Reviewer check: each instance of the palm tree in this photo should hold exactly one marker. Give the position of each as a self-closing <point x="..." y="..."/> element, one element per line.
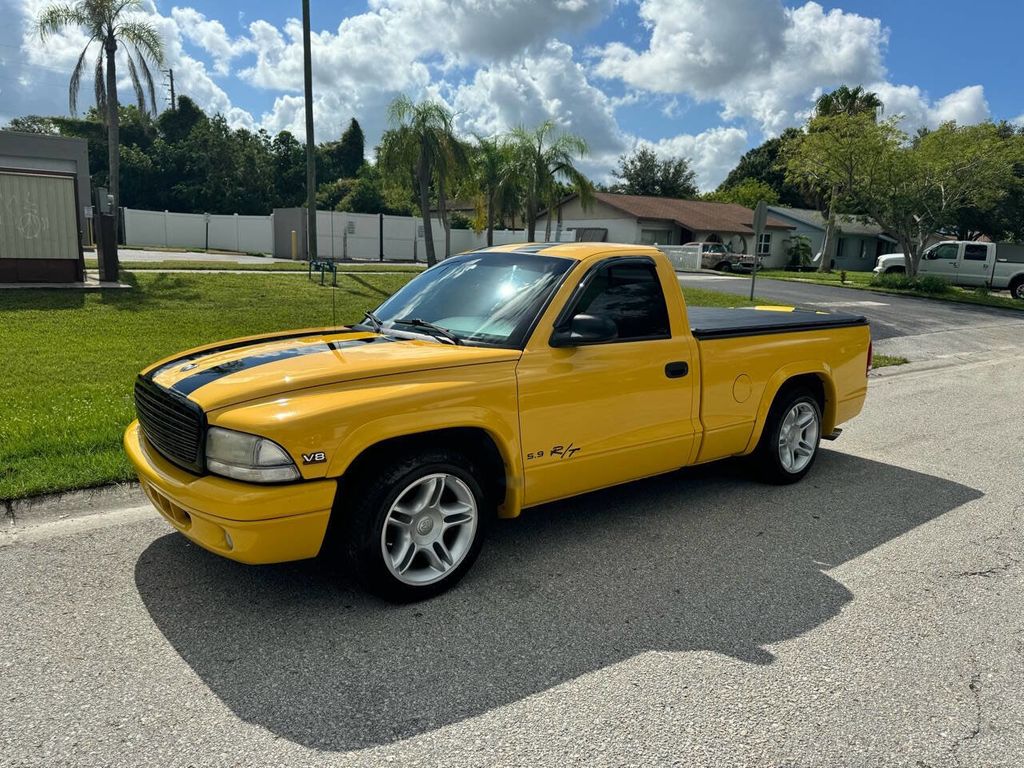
<point x="422" y="142"/>
<point x="848" y="101"/>
<point x="842" y="102"/>
<point x="496" y="172"/>
<point x="110" y="23"/>
<point x="545" y="159"/>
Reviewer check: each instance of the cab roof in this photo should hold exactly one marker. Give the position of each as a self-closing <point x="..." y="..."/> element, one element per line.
<point x="577" y="251"/>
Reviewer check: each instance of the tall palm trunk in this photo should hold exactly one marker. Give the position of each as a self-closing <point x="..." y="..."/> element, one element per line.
<point x="442" y="210"/>
<point x="113" y="123"/>
<point x="490" y="218"/>
<point x="423" y="179"/>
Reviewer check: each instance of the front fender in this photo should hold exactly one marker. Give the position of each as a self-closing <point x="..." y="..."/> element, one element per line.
<point x="336" y="423"/>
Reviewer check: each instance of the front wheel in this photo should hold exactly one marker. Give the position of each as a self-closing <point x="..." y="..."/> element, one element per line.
<point x="415" y="527"/>
<point x="789" y="443"/>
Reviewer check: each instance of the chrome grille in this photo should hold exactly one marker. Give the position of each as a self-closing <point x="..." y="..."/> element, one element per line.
<point x="173" y="424"/>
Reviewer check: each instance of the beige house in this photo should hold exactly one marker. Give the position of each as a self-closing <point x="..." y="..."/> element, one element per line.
<point x="667" y="221"/>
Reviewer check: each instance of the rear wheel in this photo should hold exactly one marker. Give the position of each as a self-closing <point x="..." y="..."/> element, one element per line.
<point x="415" y="526"/>
<point x="792" y="433"/>
<point x="724" y="266"/>
<point x="1017" y="288"/>
<point x="896" y="271"/>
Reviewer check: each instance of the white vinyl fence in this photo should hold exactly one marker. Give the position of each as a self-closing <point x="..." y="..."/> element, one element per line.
<point x="354" y="236"/>
<point x="246" y="234"/>
<point x="685" y="258"/>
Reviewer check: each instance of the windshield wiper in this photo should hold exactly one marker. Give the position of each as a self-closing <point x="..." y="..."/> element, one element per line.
<point x="416" y="322"/>
<point x="378" y="326"/>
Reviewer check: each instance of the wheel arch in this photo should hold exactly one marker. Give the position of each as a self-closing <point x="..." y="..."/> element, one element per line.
<point x="815" y="376"/>
<point x="497" y="457"/>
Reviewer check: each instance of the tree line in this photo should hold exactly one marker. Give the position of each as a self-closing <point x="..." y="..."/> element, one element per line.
<point x="961" y="181"/>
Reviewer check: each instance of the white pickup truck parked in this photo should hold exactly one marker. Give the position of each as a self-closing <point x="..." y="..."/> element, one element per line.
<point x="996" y="265"/>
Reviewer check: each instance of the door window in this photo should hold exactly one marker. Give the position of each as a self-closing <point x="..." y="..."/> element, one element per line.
<point x="974" y="252"/>
<point x="629" y="294"/>
<point x="945" y="251"/>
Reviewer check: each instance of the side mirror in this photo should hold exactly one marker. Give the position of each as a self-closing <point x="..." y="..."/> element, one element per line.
<point x="584" y="329"/>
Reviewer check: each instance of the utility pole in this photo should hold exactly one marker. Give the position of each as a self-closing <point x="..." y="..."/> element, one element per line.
<point x="307" y="67"/>
<point x="170" y="84"/>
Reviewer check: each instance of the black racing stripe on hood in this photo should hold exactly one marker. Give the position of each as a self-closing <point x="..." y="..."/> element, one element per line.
<point x="190" y="384"/>
<point x="248" y="343"/>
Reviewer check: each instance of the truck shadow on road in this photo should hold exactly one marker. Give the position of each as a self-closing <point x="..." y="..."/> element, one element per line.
<point x="697" y="560"/>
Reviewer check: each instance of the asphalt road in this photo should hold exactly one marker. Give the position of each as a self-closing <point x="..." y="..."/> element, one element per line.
<point x="872" y="615"/>
<point x="891" y="316"/>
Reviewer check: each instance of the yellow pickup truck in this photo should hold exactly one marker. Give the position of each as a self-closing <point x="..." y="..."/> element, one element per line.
<point x="497" y="380"/>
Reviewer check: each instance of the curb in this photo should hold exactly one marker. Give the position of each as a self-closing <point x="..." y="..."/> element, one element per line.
<point x="55" y="506"/>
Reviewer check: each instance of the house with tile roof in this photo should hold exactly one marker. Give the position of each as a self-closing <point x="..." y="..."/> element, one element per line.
<point x="645" y="220"/>
<point x="859" y="243"/>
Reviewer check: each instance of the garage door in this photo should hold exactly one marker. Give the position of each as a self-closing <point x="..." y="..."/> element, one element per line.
<point x="38" y="225"/>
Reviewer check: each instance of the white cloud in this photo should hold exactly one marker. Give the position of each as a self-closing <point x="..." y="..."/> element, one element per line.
<point x="712" y="153"/>
<point x="757" y="58"/>
<point x="210" y="35"/>
<point x="57" y="58"/>
<point x="965" y="106"/>
<point x="527" y="90"/>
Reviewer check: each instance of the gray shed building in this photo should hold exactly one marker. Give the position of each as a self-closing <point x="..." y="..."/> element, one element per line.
<point x="44" y="194"/>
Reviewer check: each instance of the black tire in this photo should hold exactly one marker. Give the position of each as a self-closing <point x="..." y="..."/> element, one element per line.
<point x="724" y="266"/>
<point x="896" y="271"/>
<point x="767" y="457"/>
<point x="366" y="510"/>
<point x="1017" y="288"/>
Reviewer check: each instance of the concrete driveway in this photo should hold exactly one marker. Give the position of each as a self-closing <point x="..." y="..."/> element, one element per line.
<point x="872" y="615"/>
<point x="902" y="325"/>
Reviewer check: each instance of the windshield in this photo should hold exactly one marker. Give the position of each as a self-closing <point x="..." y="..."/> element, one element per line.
<point x="484" y="298"/>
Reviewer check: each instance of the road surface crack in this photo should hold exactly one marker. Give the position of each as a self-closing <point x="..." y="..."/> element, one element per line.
<point x="975" y="730"/>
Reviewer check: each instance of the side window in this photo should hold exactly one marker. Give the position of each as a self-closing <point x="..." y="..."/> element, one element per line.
<point x="630" y="296"/>
<point x="945" y="251"/>
<point x="974" y="252"/>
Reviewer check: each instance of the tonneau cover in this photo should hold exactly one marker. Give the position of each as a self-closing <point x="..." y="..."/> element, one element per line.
<point x="715" y="323"/>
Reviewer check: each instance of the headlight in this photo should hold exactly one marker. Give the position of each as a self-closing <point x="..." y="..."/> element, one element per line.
<point x="248" y="457"/>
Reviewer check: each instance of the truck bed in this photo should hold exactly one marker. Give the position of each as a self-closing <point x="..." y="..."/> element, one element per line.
<point x="715" y="323"/>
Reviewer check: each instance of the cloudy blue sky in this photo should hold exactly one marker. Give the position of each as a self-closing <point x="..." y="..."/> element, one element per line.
<point x="706" y="79"/>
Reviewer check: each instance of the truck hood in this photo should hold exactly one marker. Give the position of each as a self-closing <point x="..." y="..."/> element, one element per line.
<point x="236" y="371"/>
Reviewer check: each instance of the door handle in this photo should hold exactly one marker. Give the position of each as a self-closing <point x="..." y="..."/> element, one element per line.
<point x="677" y="370"/>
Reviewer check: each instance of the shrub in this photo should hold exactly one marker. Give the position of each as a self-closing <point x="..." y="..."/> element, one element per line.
<point x="932" y="284"/>
<point x="900" y="282"/>
<point x="842" y="276"/>
<point x="896" y="280"/>
<point x="982" y="290"/>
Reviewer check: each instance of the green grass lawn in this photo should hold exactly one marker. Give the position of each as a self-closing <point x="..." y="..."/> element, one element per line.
<point x="69" y="358"/>
<point x="884" y="361"/>
<point x="286" y="266"/>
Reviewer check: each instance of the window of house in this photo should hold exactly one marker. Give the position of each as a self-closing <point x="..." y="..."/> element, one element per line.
<point x="654" y="236"/>
<point x="764" y="244"/>
<point x="974" y="252"/>
<point x="629" y="294"/>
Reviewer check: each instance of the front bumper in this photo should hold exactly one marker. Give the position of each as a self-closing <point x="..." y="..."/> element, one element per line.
<point x="246" y="522"/>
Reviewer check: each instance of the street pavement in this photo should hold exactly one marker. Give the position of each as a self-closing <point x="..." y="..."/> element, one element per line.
<point x="872" y="615"/>
<point x="905" y="325"/>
